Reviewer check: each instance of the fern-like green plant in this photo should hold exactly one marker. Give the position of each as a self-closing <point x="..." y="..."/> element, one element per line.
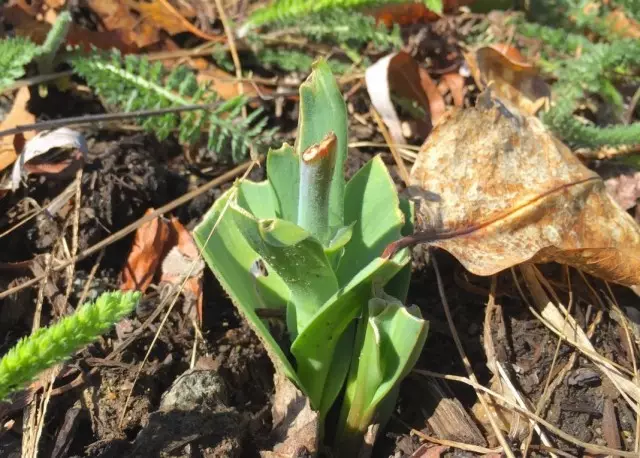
<point x="52" y="43"/>
<point x="291" y="60"/>
<point x="282" y="10"/>
<point x="340" y="26"/>
<point x="15" y="53"/>
<point x="597" y="70"/>
<point x="52" y="345"/>
<point x="133" y="83"/>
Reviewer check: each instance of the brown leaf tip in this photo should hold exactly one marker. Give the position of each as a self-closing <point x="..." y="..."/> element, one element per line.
<point x="326" y="148"/>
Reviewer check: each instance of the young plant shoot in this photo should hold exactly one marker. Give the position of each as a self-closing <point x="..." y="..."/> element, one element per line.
<point x="306" y="245"/>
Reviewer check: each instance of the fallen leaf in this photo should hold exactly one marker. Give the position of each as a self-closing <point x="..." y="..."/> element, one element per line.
<point x="455" y="83"/>
<point x="501" y="413"/>
<point x="399" y="75"/>
<point x="149" y="247"/>
<point x="178" y="264"/>
<point x="11" y="145"/>
<point x="512" y="78"/>
<point x="165" y="16"/>
<point x="116" y="16"/>
<point x="509" y="192"/>
<point x="225" y="85"/>
<point x="437" y="106"/>
<point x="412" y="12"/>
<point x="295" y="423"/>
<point x="26" y="26"/>
<point x="621" y="24"/>
<point x="59" y="152"/>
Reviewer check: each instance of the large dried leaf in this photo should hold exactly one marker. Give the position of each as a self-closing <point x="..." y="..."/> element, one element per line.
<point x="514" y="193"/>
<point x="512" y="77"/>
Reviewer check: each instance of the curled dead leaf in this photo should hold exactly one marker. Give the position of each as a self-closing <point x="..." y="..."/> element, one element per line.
<point x="513" y="78"/>
<point x="150" y="244"/>
<point x="165" y="250"/>
<point x="398" y="75"/>
<point x="506" y="191"/>
<point x="60" y="152"/>
<point x="183" y="263"/>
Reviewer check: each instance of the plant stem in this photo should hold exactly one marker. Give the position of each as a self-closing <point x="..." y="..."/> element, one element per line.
<point x="316" y="171"/>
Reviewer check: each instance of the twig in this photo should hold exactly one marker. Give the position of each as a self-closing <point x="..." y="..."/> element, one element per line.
<point x="632" y="356"/>
<point x="546" y="394"/>
<point x="91" y="119"/>
<point x="136" y="224"/>
<point x="228" y="30"/>
<point x="518" y="397"/>
<point x="74" y="235"/>
<point x="445" y="305"/>
<point x="455" y="444"/>
<point x="402" y="168"/>
<point x="590" y="448"/>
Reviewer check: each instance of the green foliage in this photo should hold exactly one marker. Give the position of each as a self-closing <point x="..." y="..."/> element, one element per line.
<point x="308" y="244"/>
<point x="389" y="331"/>
<point x="133" y="83"/>
<point x="340" y="26"/>
<point x="596" y="71"/>
<point x="15" y="53"/>
<point x="283" y="10"/>
<point x="291" y="60"/>
<point x="52" y="345"/>
<point x="52" y="43"/>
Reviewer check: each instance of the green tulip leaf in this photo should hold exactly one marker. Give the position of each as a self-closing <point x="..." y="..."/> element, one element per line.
<point x="283" y="170"/>
<point x="372" y="206"/>
<point x="322" y="110"/>
<point x="232" y="260"/>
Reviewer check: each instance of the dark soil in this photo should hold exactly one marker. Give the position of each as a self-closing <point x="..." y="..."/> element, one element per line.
<point x="230" y="388"/>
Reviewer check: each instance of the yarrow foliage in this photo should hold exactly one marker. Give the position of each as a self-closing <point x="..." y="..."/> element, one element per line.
<point x="52" y="345"/>
<point x="15" y="53"/>
<point x="133" y="83"/>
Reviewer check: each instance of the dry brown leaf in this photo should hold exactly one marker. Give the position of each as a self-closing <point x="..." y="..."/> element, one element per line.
<point x="165" y="16"/>
<point x="178" y="264"/>
<point x="149" y="247"/>
<point x="621" y="24"/>
<point x="512" y="77"/>
<point x="510" y="192"/>
<point x="116" y="15"/>
<point x="11" y="145"/>
<point x="226" y="87"/>
<point x="296" y="424"/>
<point x="27" y="26"/>
<point x="399" y="75"/>
<point x="455" y="83"/>
<point x="437" y="106"/>
<point x="412" y="13"/>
